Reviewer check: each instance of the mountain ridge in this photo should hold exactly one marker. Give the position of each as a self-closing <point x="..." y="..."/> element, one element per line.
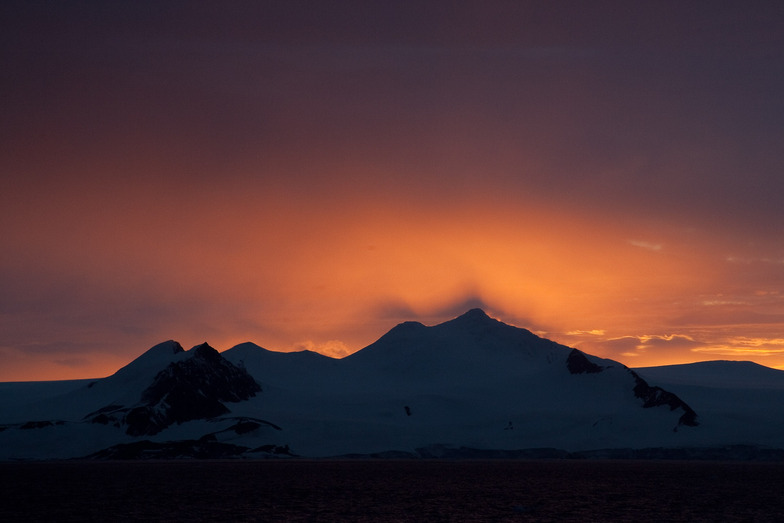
<point x="472" y="382"/>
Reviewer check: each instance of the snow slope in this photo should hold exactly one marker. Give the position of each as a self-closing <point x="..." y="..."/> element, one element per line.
<point x="739" y="402"/>
<point x="470" y="382"/>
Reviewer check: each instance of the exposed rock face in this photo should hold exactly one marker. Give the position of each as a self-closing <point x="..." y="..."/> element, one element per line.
<point x="578" y="363"/>
<point x="146" y="449"/>
<point x="190" y="389"/>
<point x="203" y="448"/>
<point x="656" y="397"/>
<point x="193" y="388"/>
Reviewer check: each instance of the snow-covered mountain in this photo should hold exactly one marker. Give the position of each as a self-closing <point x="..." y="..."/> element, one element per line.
<point x="469" y="383"/>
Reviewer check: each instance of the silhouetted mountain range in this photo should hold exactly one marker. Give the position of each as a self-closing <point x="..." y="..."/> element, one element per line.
<point x="472" y="386"/>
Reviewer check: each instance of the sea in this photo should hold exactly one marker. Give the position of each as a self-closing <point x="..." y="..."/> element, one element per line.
<point x="392" y="490"/>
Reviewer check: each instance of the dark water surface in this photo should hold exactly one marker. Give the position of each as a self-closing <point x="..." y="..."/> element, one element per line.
<point x="295" y="490"/>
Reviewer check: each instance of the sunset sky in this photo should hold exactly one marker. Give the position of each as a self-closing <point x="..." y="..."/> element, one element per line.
<point x="306" y="175"/>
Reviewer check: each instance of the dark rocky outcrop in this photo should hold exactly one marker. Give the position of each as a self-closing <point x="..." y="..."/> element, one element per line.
<point x="192" y="388"/>
<point x="246" y="426"/>
<point x="578" y="363"/>
<point x="146" y="449"/>
<point x="203" y="448"/>
<point x="107" y="415"/>
<point x="657" y="397"/>
<point x="447" y="452"/>
<point x="273" y="450"/>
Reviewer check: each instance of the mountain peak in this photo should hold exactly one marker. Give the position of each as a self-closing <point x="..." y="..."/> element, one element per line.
<point x="475" y="313"/>
<point x="205" y="351"/>
<point x="167" y="347"/>
<point x="159" y="355"/>
<point x="192" y="388"/>
<point x="474" y="318"/>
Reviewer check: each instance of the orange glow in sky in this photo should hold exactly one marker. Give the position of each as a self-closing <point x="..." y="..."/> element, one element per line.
<point x="305" y="183"/>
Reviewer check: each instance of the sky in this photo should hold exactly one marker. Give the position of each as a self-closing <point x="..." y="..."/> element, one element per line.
<point x="306" y="175"/>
